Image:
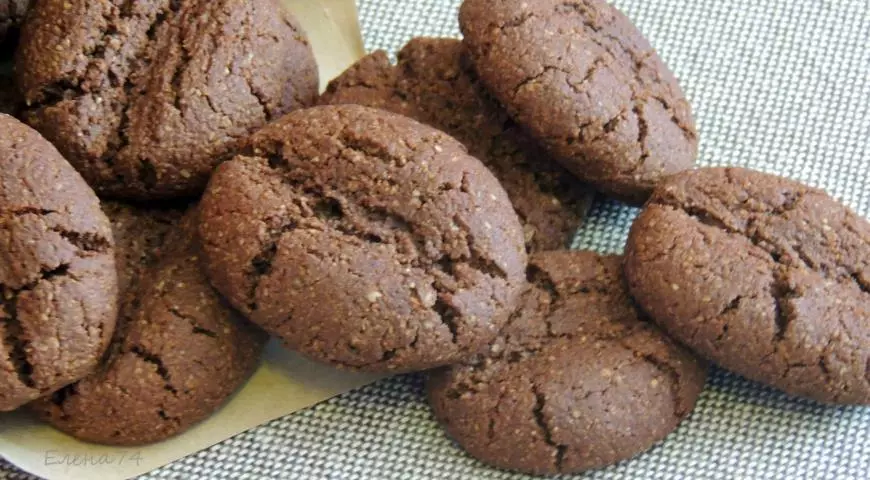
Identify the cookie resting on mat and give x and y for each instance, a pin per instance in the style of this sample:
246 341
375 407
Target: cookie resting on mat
179 351
583 81
763 275
364 239
578 380
57 270
144 98
434 84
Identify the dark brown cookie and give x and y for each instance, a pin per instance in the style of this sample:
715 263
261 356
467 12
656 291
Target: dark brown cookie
179 354
577 380
364 239
586 84
145 98
765 276
434 84
11 16
57 270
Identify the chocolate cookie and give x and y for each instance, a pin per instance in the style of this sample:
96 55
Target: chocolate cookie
586 84
57 270
765 276
145 98
11 16
577 380
179 354
434 84
364 239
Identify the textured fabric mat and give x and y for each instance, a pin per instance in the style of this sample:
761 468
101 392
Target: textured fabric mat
778 85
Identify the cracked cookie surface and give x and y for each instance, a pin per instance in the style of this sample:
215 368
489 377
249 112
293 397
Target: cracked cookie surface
179 352
763 275
583 81
364 239
577 380
434 84
57 270
145 98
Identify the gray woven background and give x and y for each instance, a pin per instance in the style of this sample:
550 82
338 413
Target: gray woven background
778 85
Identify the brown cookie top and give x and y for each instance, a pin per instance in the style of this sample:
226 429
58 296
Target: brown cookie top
582 79
577 380
765 276
146 97
434 84
180 353
57 270
364 239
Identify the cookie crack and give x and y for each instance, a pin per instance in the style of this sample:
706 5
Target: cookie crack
158 364
447 313
541 279
688 132
181 67
14 344
642 135
60 397
261 264
196 328
85 242
783 312
490 429
17 348
681 407
27 211
534 78
581 8
476 259
66 87
732 306
255 93
773 247
559 450
168 418
44 275
515 22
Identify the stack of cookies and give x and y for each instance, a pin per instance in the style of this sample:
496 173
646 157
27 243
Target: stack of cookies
416 219
110 330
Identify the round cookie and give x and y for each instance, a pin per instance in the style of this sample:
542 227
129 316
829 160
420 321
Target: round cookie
434 84
57 270
364 239
764 276
180 351
586 84
146 98
577 380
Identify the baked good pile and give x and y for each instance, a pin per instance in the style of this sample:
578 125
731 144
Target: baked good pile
174 191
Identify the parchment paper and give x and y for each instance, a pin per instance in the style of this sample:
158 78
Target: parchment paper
285 383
